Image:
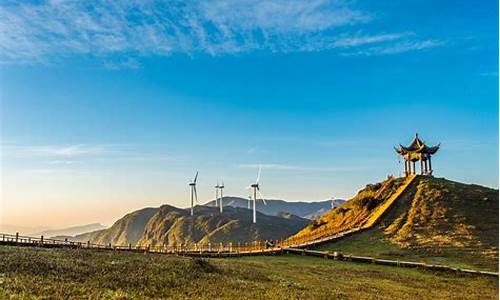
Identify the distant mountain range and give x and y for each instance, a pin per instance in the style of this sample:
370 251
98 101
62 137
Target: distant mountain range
168 225
23 230
308 210
48 232
70 231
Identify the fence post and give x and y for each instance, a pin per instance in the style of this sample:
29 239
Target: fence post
88 244
41 240
17 237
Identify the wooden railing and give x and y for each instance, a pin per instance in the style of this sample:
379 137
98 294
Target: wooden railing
257 246
315 237
220 251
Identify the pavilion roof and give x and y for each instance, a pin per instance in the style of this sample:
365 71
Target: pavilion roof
417 146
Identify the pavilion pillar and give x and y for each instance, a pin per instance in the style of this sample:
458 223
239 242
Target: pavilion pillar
421 167
406 167
430 165
425 166
413 168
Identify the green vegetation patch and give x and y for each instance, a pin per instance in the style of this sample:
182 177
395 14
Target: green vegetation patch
29 273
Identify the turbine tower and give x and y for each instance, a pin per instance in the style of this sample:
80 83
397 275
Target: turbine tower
217 193
256 189
221 188
194 196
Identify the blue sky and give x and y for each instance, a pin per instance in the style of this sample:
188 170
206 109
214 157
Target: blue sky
108 107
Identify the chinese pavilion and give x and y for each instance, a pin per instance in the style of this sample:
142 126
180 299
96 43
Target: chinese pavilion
417 151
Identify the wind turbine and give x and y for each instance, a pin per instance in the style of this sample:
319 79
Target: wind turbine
217 193
256 189
194 196
221 188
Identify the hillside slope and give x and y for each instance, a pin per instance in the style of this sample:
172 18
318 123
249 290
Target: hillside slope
436 220
126 230
308 210
170 226
355 212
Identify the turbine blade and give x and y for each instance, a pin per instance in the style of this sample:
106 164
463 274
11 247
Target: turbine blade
258 174
195 194
262 197
195 177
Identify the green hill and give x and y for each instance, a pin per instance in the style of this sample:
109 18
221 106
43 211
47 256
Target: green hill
126 230
355 212
435 220
168 225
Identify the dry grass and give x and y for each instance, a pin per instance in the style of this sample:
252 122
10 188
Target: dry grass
71 274
437 221
356 211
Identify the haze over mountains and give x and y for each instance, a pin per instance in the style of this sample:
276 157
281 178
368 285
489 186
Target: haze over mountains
70 231
50 232
308 210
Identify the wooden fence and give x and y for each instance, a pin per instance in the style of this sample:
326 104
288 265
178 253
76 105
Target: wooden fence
314 238
386 262
221 251
292 245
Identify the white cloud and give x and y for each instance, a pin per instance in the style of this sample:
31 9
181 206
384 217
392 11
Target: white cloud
62 151
408 46
357 40
76 154
286 167
493 74
47 30
400 47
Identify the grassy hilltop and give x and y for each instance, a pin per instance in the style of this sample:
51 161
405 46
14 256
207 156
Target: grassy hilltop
31 273
435 220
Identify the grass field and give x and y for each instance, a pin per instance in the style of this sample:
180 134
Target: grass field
372 243
29 273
